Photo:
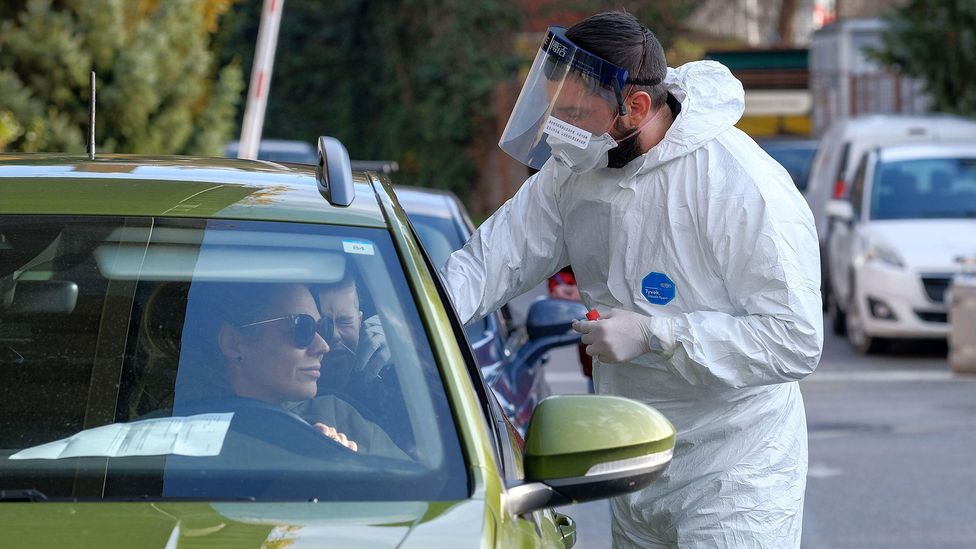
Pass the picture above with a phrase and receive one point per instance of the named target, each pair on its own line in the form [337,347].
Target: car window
[440,236]
[189,359]
[840,190]
[930,188]
[796,158]
[857,187]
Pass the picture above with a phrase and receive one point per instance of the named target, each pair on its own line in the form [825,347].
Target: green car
[215,352]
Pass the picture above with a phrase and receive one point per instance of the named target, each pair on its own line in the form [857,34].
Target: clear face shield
[568,103]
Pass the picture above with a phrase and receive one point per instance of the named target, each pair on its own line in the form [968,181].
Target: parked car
[795,155]
[279,150]
[136,308]
[843,144]
[301,152]
[443,225]
[893,245]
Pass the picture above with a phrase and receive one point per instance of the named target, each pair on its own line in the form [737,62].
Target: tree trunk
[784,27]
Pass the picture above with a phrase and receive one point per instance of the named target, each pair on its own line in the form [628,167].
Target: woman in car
[261,345]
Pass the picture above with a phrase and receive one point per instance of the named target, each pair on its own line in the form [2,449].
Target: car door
[543,528]
[540,528]
[842,235]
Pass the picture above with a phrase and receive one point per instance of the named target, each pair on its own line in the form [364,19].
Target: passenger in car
[263,342]
[358,368]
[358,354]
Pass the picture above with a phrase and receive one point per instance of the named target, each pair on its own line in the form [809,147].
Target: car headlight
[875,250]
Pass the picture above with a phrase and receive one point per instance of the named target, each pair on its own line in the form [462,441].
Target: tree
[411,81]
[159,90]
[935,41]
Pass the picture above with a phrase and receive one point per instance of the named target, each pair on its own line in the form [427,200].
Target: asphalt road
[892,449]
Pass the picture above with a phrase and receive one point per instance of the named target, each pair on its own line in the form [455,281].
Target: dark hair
[202,369]
[347,282]
[619,38]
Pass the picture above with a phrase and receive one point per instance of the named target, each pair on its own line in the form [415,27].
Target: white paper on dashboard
[199,435]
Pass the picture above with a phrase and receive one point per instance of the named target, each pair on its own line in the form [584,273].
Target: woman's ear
[229,340]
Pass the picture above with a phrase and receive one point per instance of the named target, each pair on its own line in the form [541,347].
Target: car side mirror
[840,209]
[552,317]
[582,448]
[549,324]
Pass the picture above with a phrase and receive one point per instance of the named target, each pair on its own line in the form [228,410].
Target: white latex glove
[617,336]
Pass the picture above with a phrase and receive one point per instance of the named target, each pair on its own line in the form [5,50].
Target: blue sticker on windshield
[658,288]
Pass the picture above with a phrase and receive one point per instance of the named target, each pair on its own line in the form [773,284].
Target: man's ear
[639,108]
[229,340]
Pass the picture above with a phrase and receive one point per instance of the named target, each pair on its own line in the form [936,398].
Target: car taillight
[839,189]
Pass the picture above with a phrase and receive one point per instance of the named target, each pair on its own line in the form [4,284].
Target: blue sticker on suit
[658,288]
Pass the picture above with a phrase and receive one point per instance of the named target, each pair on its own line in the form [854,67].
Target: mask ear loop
[633,82]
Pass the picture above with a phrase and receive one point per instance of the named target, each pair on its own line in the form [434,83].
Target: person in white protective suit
[700,255]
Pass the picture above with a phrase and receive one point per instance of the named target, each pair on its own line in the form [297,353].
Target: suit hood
[712,101]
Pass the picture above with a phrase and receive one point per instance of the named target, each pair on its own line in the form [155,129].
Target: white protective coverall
[707,210]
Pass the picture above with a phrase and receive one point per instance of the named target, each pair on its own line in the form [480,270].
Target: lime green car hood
[381,524]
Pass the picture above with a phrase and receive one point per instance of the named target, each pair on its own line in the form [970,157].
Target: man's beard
[627,150]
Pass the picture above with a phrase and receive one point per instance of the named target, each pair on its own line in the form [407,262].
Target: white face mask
[582,160]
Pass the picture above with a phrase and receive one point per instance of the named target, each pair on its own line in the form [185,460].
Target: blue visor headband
[561,51]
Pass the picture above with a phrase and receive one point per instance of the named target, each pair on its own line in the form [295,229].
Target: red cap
[592,314]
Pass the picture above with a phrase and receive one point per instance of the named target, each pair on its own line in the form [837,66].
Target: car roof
[787,143]
[436,203]
[915,151]
[888,124]
[277,145]
[177,186]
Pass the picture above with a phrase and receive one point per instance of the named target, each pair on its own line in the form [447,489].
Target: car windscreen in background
[150,358]
[795,158]
[936,188]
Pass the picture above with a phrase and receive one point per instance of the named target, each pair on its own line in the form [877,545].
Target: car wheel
[838,318]
[857,335]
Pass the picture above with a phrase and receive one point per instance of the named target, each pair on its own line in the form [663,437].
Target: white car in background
[846,141]
[894,244]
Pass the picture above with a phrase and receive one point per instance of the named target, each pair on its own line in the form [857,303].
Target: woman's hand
[337,436]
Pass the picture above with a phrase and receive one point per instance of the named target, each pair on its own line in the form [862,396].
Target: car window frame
[499,441]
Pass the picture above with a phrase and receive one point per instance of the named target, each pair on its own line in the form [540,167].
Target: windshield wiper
[29,494]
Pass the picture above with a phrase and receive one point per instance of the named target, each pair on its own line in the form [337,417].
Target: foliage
[411,81]
[935,40]
[665,18]
[159,90]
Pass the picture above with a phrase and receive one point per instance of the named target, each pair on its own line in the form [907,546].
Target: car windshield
[796,158]
[154,358]
[937,188]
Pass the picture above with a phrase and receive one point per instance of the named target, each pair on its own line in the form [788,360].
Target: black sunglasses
[304,327]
